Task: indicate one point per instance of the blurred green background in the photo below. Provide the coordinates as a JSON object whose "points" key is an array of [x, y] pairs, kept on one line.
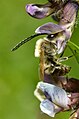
{"points": [[19, 69]]}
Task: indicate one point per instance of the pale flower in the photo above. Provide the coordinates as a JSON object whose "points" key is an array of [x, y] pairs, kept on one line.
{"points": [[53, 99]]}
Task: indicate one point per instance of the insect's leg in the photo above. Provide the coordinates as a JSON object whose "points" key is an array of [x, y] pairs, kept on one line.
{"points": [[61, 59]]}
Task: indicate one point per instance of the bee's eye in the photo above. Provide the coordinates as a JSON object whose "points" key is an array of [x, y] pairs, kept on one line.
{"points": [[50, 37]]}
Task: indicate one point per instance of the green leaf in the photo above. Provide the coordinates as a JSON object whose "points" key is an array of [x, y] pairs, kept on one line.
{"points": [[74, 49]]}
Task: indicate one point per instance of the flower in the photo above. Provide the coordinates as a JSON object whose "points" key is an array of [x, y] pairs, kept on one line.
{"points": [[53, 99], [40, 11]]}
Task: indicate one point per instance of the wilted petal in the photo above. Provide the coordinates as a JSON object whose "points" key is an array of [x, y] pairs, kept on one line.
{"points": [[49, 28], [40, 11]]}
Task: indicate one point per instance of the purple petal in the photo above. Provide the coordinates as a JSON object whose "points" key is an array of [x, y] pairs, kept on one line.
{"points": [[69, 13], [30, 9], [40, 11], [49, 28]]}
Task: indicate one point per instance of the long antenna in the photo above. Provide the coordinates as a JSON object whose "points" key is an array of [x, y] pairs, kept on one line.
{"points": [[26, 40]]}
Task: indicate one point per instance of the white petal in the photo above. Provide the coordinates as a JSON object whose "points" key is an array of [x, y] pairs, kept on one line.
{"points": [[47, 107], [58, 95]]}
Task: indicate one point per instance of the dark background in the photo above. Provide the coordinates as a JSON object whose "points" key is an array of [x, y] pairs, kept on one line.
{"points": [[19, 69]]}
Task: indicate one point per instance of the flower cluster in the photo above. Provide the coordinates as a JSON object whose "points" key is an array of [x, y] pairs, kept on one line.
{"points": [[56, 92]]}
